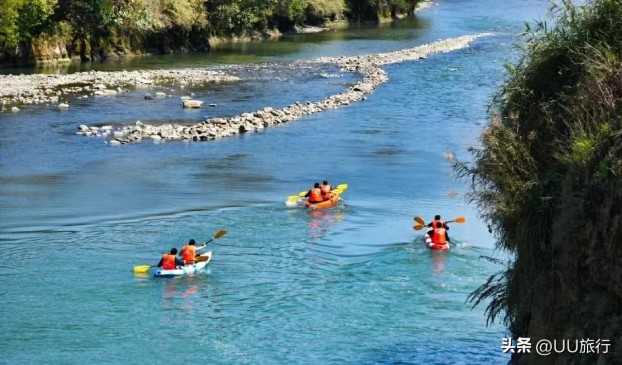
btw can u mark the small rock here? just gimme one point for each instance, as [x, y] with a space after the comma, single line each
[194, 104]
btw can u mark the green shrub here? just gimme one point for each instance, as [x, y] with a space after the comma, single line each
[548, 179]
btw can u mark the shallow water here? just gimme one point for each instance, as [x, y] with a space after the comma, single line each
[351, 285]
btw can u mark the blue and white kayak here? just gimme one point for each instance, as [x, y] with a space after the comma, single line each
[202, 261]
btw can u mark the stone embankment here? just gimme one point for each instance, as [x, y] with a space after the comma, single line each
[41, 88]
[369, 66]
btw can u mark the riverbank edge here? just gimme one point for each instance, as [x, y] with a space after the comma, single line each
[56, 47]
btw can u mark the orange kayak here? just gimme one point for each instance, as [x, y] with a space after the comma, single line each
[325, 204]
[435, 246]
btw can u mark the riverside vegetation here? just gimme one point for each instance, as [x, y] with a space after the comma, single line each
[60, 30]
[548, 179]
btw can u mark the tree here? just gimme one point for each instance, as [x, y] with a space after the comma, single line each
[9, 32]
[34, 16]
[20, 20]
[90, 20]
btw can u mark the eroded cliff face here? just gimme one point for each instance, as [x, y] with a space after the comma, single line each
[63, 48]
[50, 49]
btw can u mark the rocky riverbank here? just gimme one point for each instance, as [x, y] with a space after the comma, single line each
[369, 66]
[17, 90]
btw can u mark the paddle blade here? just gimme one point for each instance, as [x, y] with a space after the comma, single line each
[419, 220]
[460, 220]
[204, 257]
[337, 191]
[141, 269]
[220, 233]
[418, 227]
[342, 186]
[302, 193]
[293, 198]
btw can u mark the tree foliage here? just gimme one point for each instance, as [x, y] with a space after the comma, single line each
[371, 10]
[93, 23]
[9, 33]
[23, 19]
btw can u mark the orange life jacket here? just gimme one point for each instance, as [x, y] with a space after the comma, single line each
[439, 236]
[188, 253]
[168, 262]
[315, 196]
[326, 191]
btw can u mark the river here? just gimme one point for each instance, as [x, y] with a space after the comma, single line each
[350, 285]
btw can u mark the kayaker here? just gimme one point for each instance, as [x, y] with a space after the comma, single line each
[437, 218]
[189, 252]
[169, 261]
[439, 234]
[315, 194]
[326, 188]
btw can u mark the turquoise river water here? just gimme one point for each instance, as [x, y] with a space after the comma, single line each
[351, 285]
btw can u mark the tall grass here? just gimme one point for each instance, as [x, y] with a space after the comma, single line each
[548, 179]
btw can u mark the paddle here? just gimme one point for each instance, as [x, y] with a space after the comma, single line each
[218, 234]
[141, 269]
[419, 220]
[456, 220]
[338, 190]
[293, 198]
[422, 224]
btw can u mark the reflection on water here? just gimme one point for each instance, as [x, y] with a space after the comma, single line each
[439, 257]
[175, 288]
[322, 220]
